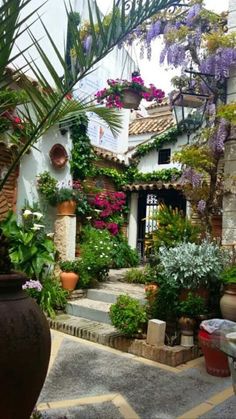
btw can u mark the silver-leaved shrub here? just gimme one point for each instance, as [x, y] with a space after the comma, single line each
[191, 265]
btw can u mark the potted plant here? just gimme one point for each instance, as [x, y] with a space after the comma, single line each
[69, 275]
[228, 300]
[128, 94]
[66, 201]
[189, 310]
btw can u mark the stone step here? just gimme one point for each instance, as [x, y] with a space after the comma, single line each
[110, 295]
[90, 309]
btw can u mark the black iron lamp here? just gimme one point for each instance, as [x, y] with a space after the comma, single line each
[189, 109]
[190, 105]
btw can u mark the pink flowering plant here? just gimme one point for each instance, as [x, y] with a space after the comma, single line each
[113, 96]
[111, 208]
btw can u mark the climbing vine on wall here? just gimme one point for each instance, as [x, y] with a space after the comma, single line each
[170, 136]
[82, 154]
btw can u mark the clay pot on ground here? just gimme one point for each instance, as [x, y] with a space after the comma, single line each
[228, 302]
[69, 280]
[25, 346]
[66, 208]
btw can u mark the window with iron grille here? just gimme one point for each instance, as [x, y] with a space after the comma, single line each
[164, 156]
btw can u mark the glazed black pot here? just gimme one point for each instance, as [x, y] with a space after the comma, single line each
[25, 345]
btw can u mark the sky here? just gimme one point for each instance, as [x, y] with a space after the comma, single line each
[151, 71]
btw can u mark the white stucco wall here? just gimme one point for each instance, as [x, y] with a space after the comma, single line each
[149, 162]
[36, 162]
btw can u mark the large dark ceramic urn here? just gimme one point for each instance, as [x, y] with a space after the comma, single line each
[25, 345]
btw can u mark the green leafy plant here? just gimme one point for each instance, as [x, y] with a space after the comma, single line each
[173, 228]
[82, 154]
[191, 265]
[65, 194]
[47, 186]
[128, 315]
[69, 266]
[135, 276]
[192, 307]
[228, 276]
[31, 250]
[52, 297]
[167, 300]
[123, 256]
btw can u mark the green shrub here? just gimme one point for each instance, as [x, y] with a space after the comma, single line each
[135, 276]
[191, 265]
[193, 306]
[128, 315]
[228, 276]
[123, 256]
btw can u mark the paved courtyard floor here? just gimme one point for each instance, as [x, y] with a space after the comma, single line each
[90, 381]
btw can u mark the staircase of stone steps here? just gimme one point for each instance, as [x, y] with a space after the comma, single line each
[97, 303]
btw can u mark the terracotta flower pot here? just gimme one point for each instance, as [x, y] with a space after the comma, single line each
[66, 208]
[228, 302]
[69, 280]
[130, 99]
[151, 291]
[25, 345]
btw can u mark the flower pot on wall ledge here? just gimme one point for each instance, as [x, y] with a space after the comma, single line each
[25, 345]
[66, 208]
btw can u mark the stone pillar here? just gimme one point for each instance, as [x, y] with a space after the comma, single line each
[229, 198]
[133, 221]
[65, 236]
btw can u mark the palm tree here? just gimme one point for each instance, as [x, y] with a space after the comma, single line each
[46, 106]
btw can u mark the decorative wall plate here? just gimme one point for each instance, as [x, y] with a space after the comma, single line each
[58, 156]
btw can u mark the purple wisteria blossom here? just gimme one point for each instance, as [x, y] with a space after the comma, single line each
[189, 175]
[193, 13]
[154, 31]
[217, 140]
[175, 54]
[201, 206]
[219, 63]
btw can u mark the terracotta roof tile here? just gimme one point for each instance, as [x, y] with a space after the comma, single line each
[154, 105]
[151, 124]
[107, 155]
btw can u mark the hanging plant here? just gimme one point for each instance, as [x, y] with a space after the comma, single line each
[128, 94]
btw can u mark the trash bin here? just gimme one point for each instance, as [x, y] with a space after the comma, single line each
[209, 337]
